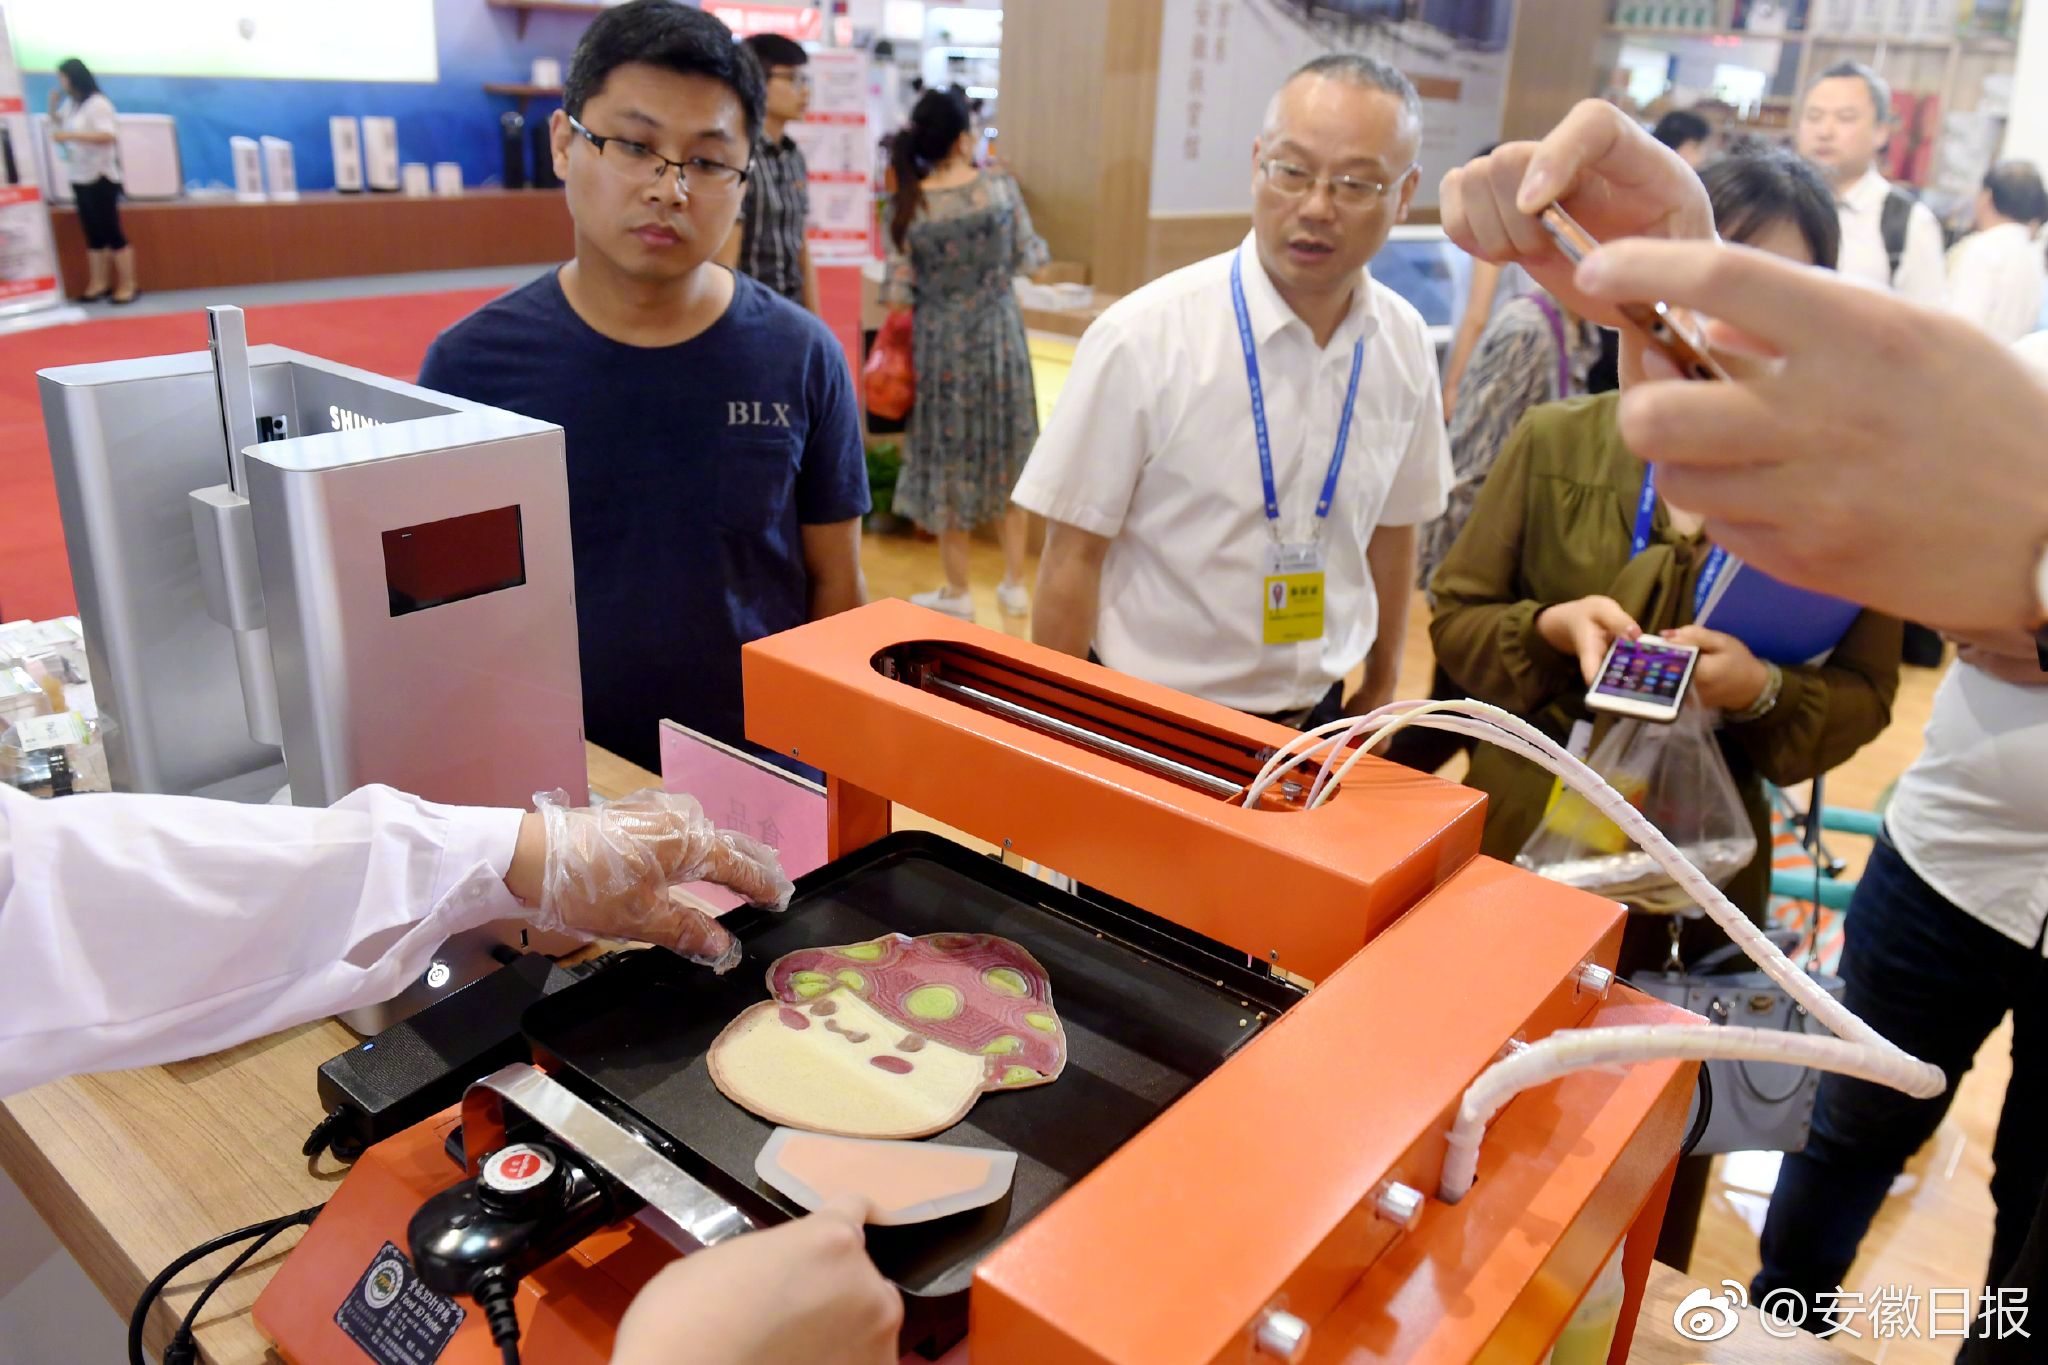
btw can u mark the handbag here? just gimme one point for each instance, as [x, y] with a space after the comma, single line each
[1757, 1106]
[891, 373]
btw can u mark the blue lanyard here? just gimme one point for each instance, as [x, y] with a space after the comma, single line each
[1717, 558]
[1251, 374]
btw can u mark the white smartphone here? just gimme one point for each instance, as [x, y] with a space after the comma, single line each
[1645, 677]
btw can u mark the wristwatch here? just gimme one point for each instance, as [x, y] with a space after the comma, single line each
[1766, 700]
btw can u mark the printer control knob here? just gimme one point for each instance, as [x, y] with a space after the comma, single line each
[518, 1177]
[1282, 1336]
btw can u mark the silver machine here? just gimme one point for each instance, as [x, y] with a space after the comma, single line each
[297, 578]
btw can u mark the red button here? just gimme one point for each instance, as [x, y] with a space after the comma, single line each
[519, 1165]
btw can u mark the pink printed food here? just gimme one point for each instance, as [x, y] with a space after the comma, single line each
[893, 1038]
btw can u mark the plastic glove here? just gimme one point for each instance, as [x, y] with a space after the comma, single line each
[611, 869]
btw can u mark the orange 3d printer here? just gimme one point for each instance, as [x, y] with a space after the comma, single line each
[1235, 1165]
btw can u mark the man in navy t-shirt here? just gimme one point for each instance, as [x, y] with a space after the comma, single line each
[716, 471]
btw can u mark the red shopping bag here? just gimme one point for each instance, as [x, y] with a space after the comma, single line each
[890, 373]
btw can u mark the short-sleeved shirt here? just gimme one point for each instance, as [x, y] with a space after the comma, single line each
[1997, 278]
[1922, 271]
[1152, 445]
[772, 220]
[85, 162]
[692, 472]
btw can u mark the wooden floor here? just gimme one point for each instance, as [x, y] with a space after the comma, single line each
[1934, 1232]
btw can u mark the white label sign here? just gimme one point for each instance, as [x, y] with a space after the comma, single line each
[28, 256]
[835, 139]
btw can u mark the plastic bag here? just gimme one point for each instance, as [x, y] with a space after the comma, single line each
[891, 374]
[57, 755]
[1674, 774]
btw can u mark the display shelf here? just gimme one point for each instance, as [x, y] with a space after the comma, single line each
[1879, 40]
[525, 9]
[1639, 31]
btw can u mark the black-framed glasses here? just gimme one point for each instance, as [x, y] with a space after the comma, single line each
[638, 161]
[1346, 191]
[796, 76]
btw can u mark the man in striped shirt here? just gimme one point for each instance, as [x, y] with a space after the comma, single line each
[768, 242]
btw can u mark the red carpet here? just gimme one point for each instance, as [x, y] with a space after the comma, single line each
[386, 335]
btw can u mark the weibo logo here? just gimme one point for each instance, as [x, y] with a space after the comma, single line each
[1706, 1316]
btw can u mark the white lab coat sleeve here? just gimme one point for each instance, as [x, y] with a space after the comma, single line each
[142, 929]
[1923, 268]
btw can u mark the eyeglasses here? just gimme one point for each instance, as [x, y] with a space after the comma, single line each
[1346, 191]
[637, 161]
[800, 79]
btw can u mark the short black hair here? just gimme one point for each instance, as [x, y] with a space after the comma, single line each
[82, 83]
[1880, 89]
[669, 35]
[1755, 188]
[773, 49]
[1681, 126]
[2017, 192]
[1356, 68]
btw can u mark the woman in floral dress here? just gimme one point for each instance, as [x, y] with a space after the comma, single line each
[957, 235]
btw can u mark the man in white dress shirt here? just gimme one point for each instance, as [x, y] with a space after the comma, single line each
[1996, 275]
[1244, 448]
[1888, 239]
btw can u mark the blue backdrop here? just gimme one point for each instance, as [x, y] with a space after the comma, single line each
[452, 120]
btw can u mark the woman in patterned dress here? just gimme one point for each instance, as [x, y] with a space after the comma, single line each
[957, 235]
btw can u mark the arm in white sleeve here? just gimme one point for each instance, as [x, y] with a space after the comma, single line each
[141, 929]
[1085, 465]
[1972, 284]
[1923, 269]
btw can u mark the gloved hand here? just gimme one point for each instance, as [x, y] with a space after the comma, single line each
[611, 869]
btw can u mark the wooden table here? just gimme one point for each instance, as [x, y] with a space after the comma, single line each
[131, 1168]
[215, 242]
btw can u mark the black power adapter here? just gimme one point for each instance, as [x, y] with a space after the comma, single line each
[422, 1064]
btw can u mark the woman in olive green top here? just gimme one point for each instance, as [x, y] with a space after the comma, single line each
[1542, 580]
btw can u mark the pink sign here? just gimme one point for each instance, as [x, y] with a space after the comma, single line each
[804, 25]
[749, 796]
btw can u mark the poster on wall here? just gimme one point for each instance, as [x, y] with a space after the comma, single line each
[1221, 60]
[28, 255]
[834, 137]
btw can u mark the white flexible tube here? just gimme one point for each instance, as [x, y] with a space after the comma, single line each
[1611, 803]
[1570, 1050]
[1856, 1050]
[1296, 750]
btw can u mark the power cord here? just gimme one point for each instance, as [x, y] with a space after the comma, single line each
[496, 1293]
[182, 1340]
[1700, 1119]
[322, 1135]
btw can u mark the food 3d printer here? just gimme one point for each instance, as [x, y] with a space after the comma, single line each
[1235, 1165]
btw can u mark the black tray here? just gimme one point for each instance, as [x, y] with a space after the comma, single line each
[1147, 1014]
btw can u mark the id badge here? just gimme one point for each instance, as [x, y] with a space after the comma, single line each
[1293, 601]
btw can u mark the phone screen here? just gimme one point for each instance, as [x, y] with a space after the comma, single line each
[1641, 671]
